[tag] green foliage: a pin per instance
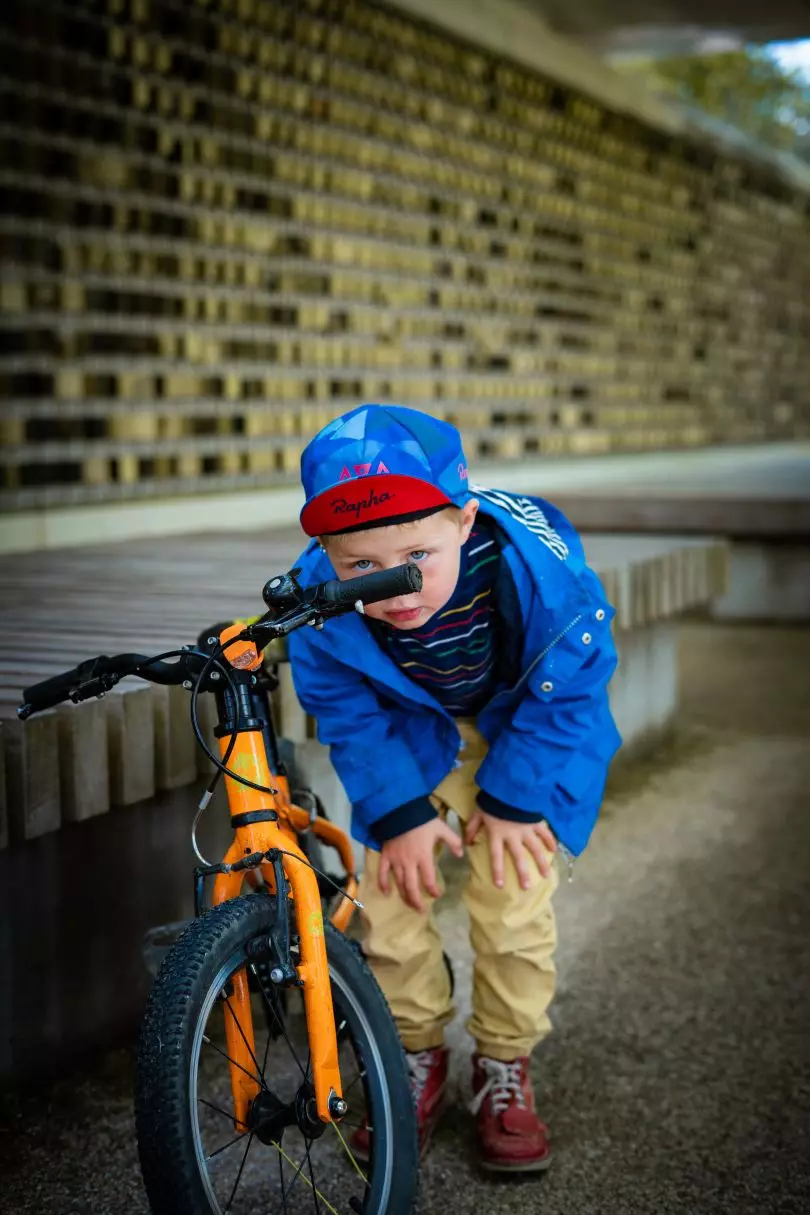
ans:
(748, 89)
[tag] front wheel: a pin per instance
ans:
(194, 1159)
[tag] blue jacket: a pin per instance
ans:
(551, 735)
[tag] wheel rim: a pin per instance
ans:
(292, 1174)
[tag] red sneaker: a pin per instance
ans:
(428, 1070)
(511, 1137)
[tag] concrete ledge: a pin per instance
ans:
(761, 504)
(563, 480)
(735, 517)
(766, 582)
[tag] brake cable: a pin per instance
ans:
(221, 764)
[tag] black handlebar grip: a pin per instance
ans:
(48, 693)
(53, 691)
(372, 588)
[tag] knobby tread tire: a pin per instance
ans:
(162, 1116)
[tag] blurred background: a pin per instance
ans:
(579, 232)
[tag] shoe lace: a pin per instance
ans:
(504, 1082)
(420, 1063)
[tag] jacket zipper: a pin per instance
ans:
(539, 658)
(570, 859)
(569, 856)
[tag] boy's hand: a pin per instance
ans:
(411, 858)
(516, 838)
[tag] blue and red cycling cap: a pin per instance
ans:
(380, 464)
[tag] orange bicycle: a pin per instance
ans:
(266, 1040)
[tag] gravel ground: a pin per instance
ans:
(678, 1075)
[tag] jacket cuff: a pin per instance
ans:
(413, 814)
(498, 809)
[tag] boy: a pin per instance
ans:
(484, 693)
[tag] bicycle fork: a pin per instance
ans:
(258, 832)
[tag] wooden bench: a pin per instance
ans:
(77, 762)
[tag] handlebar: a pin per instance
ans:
(372, 588)
(291, 607)
(95, 676)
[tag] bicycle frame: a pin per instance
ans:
(265, 822)
(257, 830)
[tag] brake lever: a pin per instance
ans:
(263, 631)
(93, 687)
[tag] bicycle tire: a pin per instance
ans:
(173, 1175)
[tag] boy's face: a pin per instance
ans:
(432, 544)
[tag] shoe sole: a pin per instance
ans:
(530, 1166)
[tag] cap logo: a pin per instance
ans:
(362, 470)
(340, 506)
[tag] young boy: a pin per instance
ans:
(484, 693)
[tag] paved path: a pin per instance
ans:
(678, 1078)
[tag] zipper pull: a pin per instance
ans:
(569, 861)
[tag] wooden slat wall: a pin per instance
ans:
(223, 221)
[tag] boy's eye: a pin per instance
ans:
(363, 565)
(418, 554)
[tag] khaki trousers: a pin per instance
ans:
(512, 931)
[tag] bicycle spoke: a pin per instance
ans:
(282, 1154)
(225, 1146)
(266, 1052)
(349, 1153)
(239, 1174)
(299, 1173)
(244, 1039)
(308, 1142)
(225, 1055)
(348, 1088)
(281, 1181)
(279, 1022)
(216, 1109)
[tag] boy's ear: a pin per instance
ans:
(468, 513)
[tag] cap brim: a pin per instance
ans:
(365, 501)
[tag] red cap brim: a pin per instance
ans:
(361, 501)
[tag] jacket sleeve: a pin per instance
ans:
(551, 761)
(378, 771)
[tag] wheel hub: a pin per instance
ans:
(269, 1116)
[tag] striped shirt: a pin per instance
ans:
(453, 655)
